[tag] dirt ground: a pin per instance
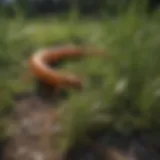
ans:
(36, 125)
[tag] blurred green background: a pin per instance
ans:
(122, 92)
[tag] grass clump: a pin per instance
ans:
(122, 88)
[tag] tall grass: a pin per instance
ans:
(122, 88)
(10, 47)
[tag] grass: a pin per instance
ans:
(19, 38)
(121, 90)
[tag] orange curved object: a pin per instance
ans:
(38, 65)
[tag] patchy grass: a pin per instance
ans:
(19, 38)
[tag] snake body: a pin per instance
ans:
(39, 65)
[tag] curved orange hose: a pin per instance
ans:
(38, 64)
